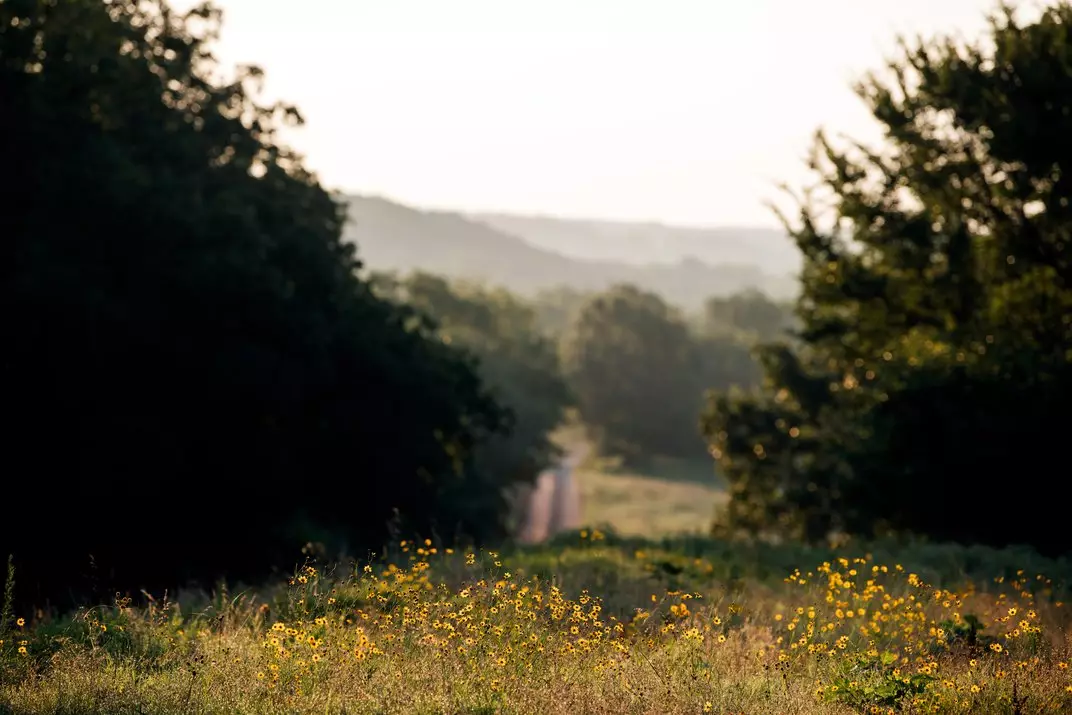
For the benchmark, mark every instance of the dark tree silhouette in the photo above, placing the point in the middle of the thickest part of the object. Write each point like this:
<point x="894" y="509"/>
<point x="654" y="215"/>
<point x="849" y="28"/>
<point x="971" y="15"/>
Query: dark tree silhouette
<point x="930" y="393"/>
<point x="194" y="379"/>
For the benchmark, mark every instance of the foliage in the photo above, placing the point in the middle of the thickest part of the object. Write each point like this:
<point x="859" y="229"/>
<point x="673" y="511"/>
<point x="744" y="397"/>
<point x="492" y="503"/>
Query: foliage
<point x="187" y="337"/>
<point x="936" y="310"/>
<point x="591" y="624"/>
<point x="557" y="308"/>
<point x="749" y="314"/>
<point x="517" y="362"/>
<point x="633" y="364"/>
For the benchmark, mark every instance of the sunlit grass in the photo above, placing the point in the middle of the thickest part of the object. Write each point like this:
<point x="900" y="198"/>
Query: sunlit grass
<point x="645" y="505"/>
<point x="589" y="624"/>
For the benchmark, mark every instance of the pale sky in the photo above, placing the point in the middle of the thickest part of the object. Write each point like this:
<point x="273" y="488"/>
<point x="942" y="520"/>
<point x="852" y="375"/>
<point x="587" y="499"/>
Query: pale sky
<point x="679" y="111"/>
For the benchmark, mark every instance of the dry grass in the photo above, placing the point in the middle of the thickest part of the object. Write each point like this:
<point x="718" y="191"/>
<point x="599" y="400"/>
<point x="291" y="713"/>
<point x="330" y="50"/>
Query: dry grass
<point x="659" y="632"/>
<point x="670" y="497"/>
<point x="641" y="505"/>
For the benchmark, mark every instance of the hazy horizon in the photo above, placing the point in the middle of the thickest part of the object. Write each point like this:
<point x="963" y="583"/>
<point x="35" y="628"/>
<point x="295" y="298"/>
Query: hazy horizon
<point x="681" y="112"/>
<point x="549" y="215"/>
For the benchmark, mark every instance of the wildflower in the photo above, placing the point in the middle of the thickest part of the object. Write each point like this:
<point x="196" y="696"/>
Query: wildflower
<point x="20" y="622"/>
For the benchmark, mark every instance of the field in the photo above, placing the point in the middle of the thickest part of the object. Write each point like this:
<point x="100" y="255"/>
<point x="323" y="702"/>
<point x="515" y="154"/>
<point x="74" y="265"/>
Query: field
<point x="671" y="497"/>
<point x="590" y="623"/>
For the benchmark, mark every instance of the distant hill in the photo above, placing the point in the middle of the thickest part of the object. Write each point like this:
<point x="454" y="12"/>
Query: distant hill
<point x="647" y="243"/>
<point x="391" y="236"/>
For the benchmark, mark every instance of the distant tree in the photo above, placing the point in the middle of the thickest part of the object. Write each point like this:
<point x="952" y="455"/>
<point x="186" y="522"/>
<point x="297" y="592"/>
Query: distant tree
<point x="557" y="307"/>
<point x="750" y="314"/>
<point x="634" y="367"/>
<point x="932" y="387"/>
<point x="725" y="362"/>
<point x="519" y="365"/>
<point x="194" y="379"/>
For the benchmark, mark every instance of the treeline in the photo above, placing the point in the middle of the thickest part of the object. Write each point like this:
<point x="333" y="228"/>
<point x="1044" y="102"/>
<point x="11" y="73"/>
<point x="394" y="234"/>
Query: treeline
<point x="930" y="390"/>
<point x="635" y="368"/>
<point x="640" y="368"/>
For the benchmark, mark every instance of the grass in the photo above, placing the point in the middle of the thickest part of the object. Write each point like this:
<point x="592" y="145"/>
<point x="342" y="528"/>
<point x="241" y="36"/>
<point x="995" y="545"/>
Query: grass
<point x="668" y="496"/>
<point x="646" y="505"/>
<point x="590" y="623"/>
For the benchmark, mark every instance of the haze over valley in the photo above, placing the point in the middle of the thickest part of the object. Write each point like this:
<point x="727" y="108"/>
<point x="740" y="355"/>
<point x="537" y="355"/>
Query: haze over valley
<point x="528" y="254"/>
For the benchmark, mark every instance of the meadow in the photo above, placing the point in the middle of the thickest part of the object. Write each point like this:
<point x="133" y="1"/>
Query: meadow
<point x="588" y="623"/>
<point x="669" y="497"/>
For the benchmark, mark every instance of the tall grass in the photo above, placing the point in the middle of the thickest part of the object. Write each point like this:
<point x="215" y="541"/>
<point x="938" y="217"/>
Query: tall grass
<point x="591" y="623"/>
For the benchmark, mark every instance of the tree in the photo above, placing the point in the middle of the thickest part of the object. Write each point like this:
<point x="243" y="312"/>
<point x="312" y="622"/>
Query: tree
<point x="556" y="309"/>
<point x="195" y="380"/>
<point x="749" y="314"/>
<point x="634" y="367"/>
<point x="519" y="365"/>
<point x="936" y="308"/>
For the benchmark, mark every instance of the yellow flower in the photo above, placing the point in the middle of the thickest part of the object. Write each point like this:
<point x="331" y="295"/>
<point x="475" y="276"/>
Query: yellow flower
<point x="20" y="622"/>
<point x="707" y="706"/>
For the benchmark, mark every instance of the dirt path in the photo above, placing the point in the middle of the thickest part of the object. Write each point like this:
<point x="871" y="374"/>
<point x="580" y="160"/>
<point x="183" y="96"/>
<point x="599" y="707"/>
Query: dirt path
<point x="555" y="503"/>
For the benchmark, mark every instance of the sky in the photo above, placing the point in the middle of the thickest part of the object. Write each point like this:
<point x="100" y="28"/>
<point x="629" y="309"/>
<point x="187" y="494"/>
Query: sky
<point x="676" y="111"/>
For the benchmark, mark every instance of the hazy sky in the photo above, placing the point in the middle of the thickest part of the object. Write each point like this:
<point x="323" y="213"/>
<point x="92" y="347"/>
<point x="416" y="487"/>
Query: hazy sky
<point x="682" y="111"/>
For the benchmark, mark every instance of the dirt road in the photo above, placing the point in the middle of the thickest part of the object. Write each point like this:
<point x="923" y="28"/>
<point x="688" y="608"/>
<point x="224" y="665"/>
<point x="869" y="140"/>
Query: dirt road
<point x="555" y="503"/>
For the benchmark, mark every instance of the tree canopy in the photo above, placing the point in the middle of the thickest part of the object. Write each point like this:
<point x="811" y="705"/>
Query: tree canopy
<point x="195" y="379"/>
<point x="749" y="315"/>
<point x="634" y="367"/>
<point x="933" y="373"/>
